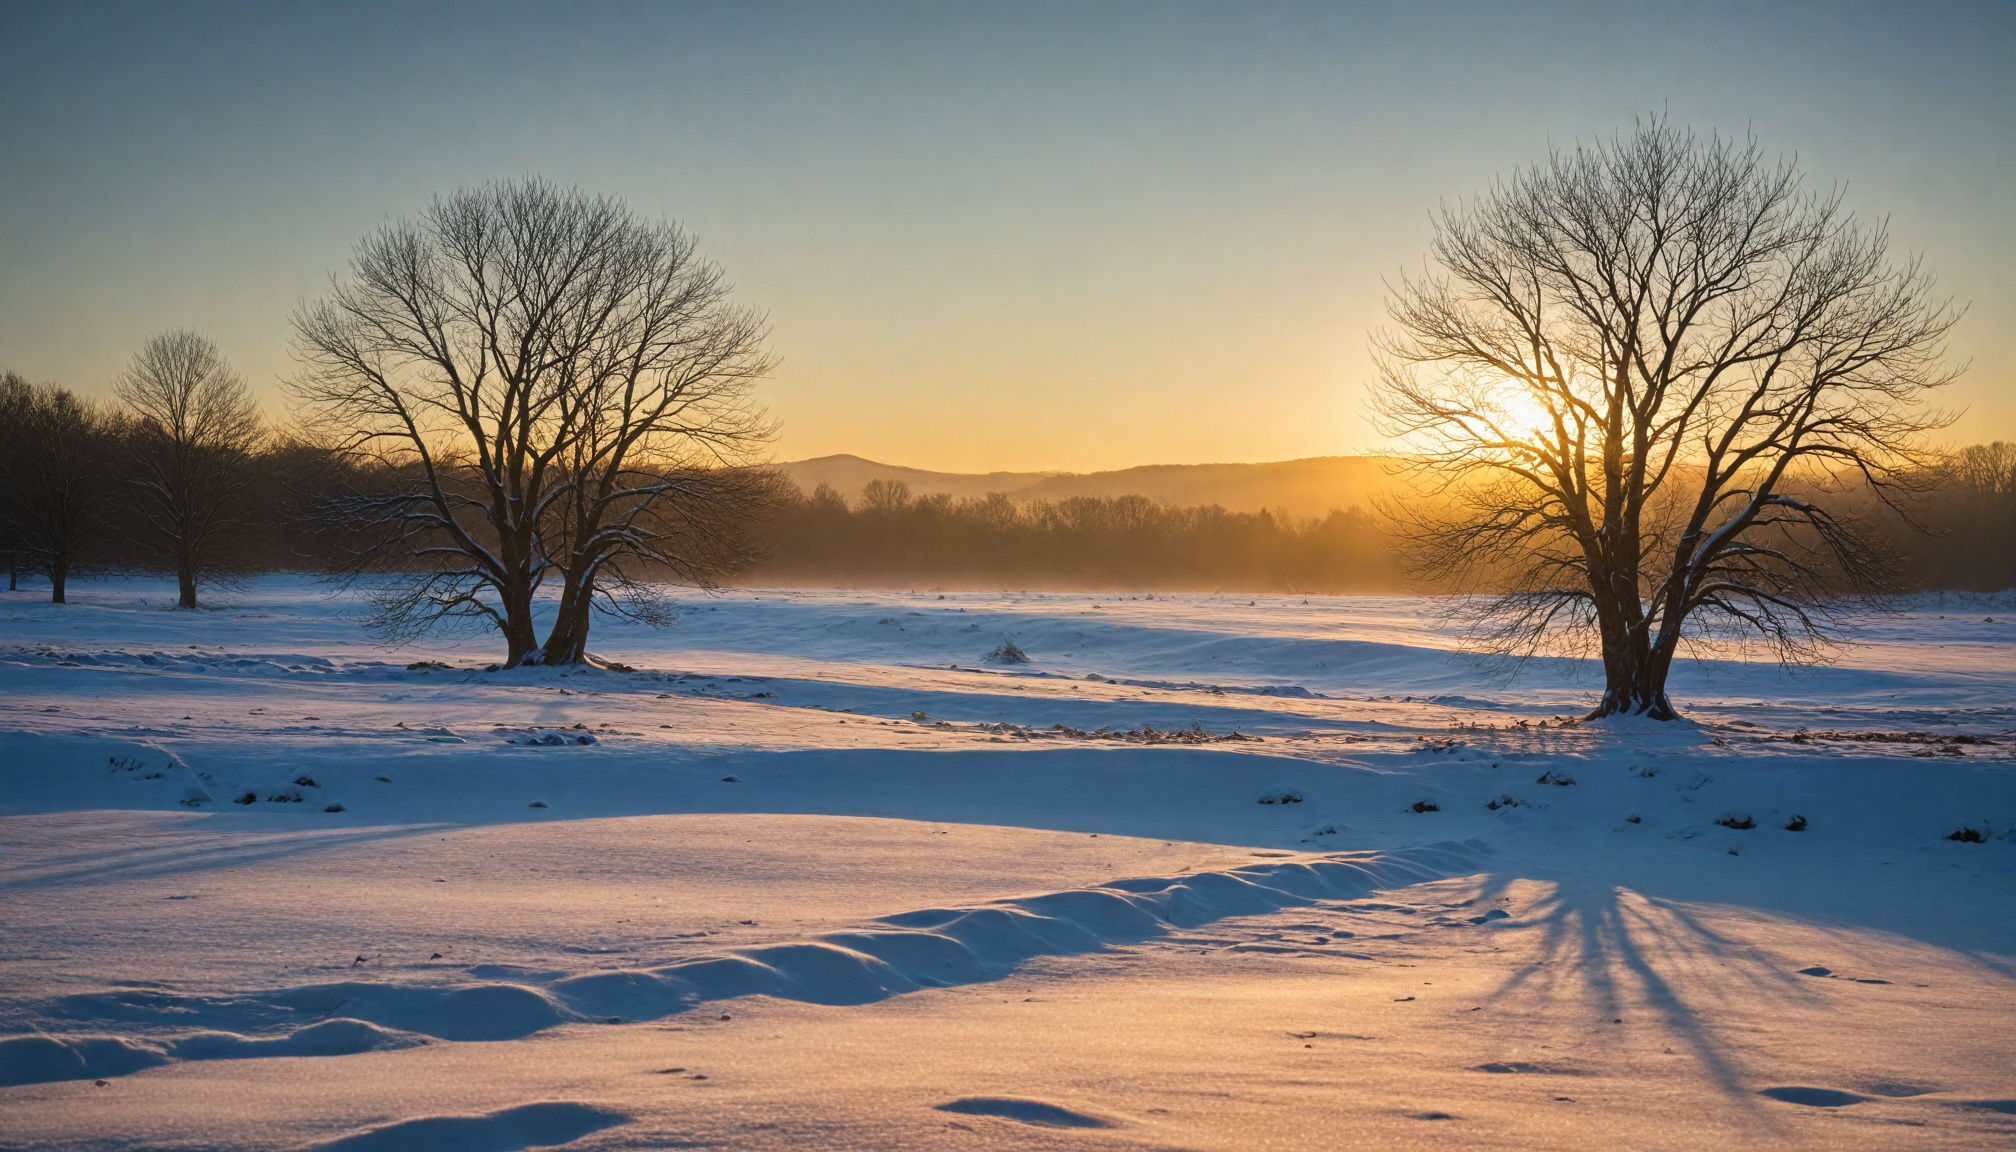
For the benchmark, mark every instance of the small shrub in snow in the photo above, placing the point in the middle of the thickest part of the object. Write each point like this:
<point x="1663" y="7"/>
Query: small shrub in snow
<point x="538" y="804"/>
<point x="1634" y="819"/>
<point x="1796" y="824"/>
<point x="1424" y="806"/>
<point x="1558" y="779"/>
<point x="1148" y="734"/>
<point x="1968" y="836"/>
<point x="1008" y="653"/>
<point x="333" y="808"/>
<point x="305" y="781"/>
<point x="1280" y="796"/>
<point x="247" y="798"/>
<point x="1739" y="822"/>
<point x="551" y="739"/>
<point x="1506" y="802"/>
<point x="427" y="666"/>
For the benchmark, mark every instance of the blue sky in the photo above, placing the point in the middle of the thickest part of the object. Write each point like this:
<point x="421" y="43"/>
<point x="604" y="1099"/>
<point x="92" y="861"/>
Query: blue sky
<point x="987" y="236"/>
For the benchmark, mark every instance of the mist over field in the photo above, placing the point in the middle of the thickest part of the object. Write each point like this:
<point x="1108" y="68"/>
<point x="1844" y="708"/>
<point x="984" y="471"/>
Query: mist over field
<point x="1322" y="526"/>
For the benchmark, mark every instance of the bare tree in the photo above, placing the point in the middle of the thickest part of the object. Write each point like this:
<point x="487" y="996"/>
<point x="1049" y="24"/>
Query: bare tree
<point x="194" y="428"/>
<point x="1638" y="378"/>
<point x="53" y="474"/>
<point x="16" y="399"/>
<point x="562" y="390"/>
<point x="1987" y="470"/>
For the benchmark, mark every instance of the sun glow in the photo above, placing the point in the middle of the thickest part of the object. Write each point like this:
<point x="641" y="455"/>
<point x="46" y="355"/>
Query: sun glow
<point x="1518" y="414"/>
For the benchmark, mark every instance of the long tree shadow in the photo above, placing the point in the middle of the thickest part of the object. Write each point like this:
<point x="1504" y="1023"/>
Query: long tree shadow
<point x="186" y="852"/>
<point x="1607" y="954"/>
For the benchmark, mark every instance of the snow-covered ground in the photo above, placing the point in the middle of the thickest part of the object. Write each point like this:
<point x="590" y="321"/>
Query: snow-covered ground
<point x="1205" y="872"/>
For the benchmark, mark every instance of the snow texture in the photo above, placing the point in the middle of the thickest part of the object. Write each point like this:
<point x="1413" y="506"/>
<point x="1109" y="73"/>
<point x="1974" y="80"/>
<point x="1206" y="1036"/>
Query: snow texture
<point x="268" y="885"/>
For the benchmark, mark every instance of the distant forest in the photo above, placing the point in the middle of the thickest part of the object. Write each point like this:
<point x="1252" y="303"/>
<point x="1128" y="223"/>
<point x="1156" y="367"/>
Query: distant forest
<point x="888" y="537"/>
<point x="270" y="517"/>
<point x="1965" y="540"/>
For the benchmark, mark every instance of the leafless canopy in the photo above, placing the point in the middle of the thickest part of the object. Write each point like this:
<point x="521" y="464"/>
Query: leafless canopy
<point x="558" y="390"/>
<point x="194" y="427"/>
<point x="1638" y="379"/>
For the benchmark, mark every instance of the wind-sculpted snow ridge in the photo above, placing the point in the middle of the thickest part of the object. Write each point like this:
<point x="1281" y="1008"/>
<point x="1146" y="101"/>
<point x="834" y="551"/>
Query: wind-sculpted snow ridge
<point x="213" y="662"/>
<point x="927" y="948"/>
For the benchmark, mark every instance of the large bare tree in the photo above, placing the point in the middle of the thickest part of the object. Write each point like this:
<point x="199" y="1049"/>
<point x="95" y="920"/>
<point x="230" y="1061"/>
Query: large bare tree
<point x="557" y="390"/>
<point x="1638" y="379"/>
<point x="194" y="428"/>
<point x="54" y="476"/>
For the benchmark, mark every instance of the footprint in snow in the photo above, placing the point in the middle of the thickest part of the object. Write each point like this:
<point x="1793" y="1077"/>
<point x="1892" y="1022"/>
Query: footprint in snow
<point x="1898" y="1091"/>
<point x="1813" y="1097"/>
<point x="526" y="1126"/>
<point x="1022" y="1111"/>
<point x="1522" y="1067"/>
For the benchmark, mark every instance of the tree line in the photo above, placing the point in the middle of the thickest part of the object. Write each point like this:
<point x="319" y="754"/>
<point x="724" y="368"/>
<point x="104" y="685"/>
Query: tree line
<point x="91" y="488"/>
<point x="1957" y="534"/>
<point x="158" y="480"/>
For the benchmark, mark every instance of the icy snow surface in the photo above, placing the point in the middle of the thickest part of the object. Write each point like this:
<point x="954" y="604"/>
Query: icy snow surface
<point x="811" y="870"/>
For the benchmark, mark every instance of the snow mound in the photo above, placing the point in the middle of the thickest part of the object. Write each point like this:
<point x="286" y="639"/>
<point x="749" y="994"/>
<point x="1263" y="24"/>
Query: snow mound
<point x="1644" y="729"/>
<point x="38" y="1059"/>
<point x="468" y="1012"/>
<point x="339" y="1037"/>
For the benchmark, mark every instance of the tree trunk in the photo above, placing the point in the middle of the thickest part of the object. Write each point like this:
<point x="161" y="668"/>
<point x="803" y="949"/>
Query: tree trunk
<point x="59" y="575"/>
<point x="185" y="579"/>
<point x="567" y="643"/>
<point x="521" y="642"/>
<point x="1634" y="684"/>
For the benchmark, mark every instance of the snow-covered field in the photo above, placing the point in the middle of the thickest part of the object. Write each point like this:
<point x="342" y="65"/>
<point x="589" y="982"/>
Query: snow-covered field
<point x="1206" y="872"/>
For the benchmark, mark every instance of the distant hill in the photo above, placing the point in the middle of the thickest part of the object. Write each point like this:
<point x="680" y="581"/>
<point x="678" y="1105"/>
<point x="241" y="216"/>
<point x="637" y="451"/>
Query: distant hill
<point x="849" y="474"/>
<point x="1308" y="487"/>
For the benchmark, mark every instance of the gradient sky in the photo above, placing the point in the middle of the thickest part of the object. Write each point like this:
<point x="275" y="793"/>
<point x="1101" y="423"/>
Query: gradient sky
<point x="1020" y="235"/>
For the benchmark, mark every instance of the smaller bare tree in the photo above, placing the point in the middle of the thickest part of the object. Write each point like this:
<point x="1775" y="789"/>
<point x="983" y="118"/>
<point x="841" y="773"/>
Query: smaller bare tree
<point x="53" y="476"/>
<point x="194" y="428"/>
<point x="546" y="387"/>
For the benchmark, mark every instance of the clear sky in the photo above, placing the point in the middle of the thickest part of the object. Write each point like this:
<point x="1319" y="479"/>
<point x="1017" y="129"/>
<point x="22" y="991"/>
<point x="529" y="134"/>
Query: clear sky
<point x="1019" y="235"/>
